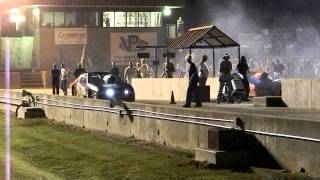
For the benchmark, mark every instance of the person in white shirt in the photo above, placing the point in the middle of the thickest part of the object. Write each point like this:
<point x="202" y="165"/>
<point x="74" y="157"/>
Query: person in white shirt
<point x="144" y="69"/>
<point x="129" y="73"/>
<point x="180" y="27"/>
<point x="64" y="79"/>
<point x="204" y="71"/>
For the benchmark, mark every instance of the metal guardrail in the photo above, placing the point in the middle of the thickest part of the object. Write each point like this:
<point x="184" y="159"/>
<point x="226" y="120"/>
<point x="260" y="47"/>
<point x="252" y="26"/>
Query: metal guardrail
<point x="282" y="135"/>
<point x="116" y="111"/>
<point x="145" y="111"/>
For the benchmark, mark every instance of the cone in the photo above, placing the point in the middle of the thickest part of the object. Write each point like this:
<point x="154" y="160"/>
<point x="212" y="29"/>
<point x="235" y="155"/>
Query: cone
<point x="172" y="101"/>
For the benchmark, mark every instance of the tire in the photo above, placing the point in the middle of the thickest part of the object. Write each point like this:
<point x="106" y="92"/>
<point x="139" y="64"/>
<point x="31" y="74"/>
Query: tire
<point x="239" y="99"/>
<point x="90" y="95"/>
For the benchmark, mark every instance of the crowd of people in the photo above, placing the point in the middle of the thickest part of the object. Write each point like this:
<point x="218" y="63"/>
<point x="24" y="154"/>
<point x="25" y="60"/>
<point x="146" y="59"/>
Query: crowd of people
<point x="287" y="68"/>
<point x="140" y="70"/>
<point x="197" y="75"/>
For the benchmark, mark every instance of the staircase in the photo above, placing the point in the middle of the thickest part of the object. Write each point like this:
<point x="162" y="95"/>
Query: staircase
<point x="226" y="149"/>
<point x="31" y="80"/>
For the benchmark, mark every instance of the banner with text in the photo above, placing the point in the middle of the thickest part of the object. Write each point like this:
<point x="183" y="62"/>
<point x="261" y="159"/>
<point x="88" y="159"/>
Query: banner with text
<point x="70" y="36"/>
<point x="123" y="46"/>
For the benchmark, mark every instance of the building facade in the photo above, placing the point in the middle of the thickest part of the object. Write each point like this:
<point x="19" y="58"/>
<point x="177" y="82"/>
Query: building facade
<point x="94" y="32"/>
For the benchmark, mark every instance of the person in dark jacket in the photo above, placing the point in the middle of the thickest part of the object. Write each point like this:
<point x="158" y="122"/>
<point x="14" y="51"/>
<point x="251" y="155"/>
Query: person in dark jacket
<point x="225" y="76"/>
<point x="243" y="69"/>
<point x="114" y="69"/>
<point x="168" y="69"/>
<point x="79" y="71"/>
<point x="55" y="76"/>
<point x="193" y="83"/>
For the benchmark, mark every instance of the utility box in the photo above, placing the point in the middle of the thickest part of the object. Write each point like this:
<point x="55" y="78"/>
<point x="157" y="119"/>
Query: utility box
<point x="30" y="112"/>
<point x="204" y="93"/>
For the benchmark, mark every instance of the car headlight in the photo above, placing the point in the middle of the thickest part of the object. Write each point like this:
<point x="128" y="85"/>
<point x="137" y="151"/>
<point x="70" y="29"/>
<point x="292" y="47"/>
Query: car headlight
<point x="126" y="92"/>
<point x="110" y="92"/>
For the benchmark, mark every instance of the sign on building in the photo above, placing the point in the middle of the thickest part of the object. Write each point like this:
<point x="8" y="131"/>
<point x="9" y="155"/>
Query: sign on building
<point x="123" y="46"/>
<point x="70" y="36"/>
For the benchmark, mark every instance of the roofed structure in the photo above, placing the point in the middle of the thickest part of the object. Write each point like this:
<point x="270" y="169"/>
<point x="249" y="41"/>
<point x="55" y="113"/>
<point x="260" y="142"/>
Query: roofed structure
<point x="203" y="37"/>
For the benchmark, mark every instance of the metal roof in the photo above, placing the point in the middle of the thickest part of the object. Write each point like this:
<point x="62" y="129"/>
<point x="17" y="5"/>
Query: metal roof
<point x="203" y="37"/>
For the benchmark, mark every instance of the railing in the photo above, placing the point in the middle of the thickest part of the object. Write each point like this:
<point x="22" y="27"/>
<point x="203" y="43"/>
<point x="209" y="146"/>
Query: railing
<point x="159" y="116"/>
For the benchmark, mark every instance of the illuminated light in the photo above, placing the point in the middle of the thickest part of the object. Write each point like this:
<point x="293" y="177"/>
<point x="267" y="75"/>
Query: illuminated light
<point x="14" y="11"/>
<point x="110" y="92"/>
<point x="126" y="92"/>
<point x="16" y="18"/>
<point x="36" y="11"/>
<point x="167" y="11"/>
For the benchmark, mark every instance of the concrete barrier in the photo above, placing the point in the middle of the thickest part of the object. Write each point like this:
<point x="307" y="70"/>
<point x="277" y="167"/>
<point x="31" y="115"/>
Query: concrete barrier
<point x="288" y="153"/>
<point x="14" y="80"/>
<point x="301" y="93"/>
<point x="160" y="88"/>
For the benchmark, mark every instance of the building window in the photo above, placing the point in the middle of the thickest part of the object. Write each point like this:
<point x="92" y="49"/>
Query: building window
<point x="70" y="19"/>
<point x="93" y="19"/>
<point x="156" y="19"/>
<point x="59" y="19"/>
<point x="171" y="31"/>
<point x="144" y="19"/>
<point x="108" y="19"/>
<point x="132" y="19"/>
<point x="82" y="19"/>
<point x="47" y="19"/>
<point x="120" y="19"/>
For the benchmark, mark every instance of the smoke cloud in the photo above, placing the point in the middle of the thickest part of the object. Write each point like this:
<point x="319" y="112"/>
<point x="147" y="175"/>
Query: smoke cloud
<point x="287" y="30"/>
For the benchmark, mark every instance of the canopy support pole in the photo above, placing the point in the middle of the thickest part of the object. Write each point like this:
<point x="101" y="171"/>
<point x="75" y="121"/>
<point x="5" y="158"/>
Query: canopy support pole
<point x="156" y="62"/>
<point x="213" y="63"/>
<point x="239" y="53"/>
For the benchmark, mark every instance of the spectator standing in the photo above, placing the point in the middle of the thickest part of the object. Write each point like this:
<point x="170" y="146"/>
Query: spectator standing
<point x="243" y="69"/>
<point x="180" y="26"/>
<point x="204" y="71"/>
<point x="225" y="76"/>
<point x="55" y="76"/>
<point x="129" y="73"/>
<point x="168" y="69"/>
<point x="144" y="69"/>
<point x="138" y="73"/>
<point x="114" y="69"/>
<point x="193" y="83"/>
<point x="79" y="71"/>
<point x="64" y="78"/>
<point x="278" y="67"/>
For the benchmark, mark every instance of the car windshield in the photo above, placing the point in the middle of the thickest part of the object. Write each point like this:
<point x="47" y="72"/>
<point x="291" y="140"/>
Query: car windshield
<point x="96" y="80"/>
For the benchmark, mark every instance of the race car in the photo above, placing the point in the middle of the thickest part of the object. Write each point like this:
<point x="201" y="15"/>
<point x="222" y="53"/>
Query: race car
<point x="262" y="85"/>
<point x="102" y="85"/>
